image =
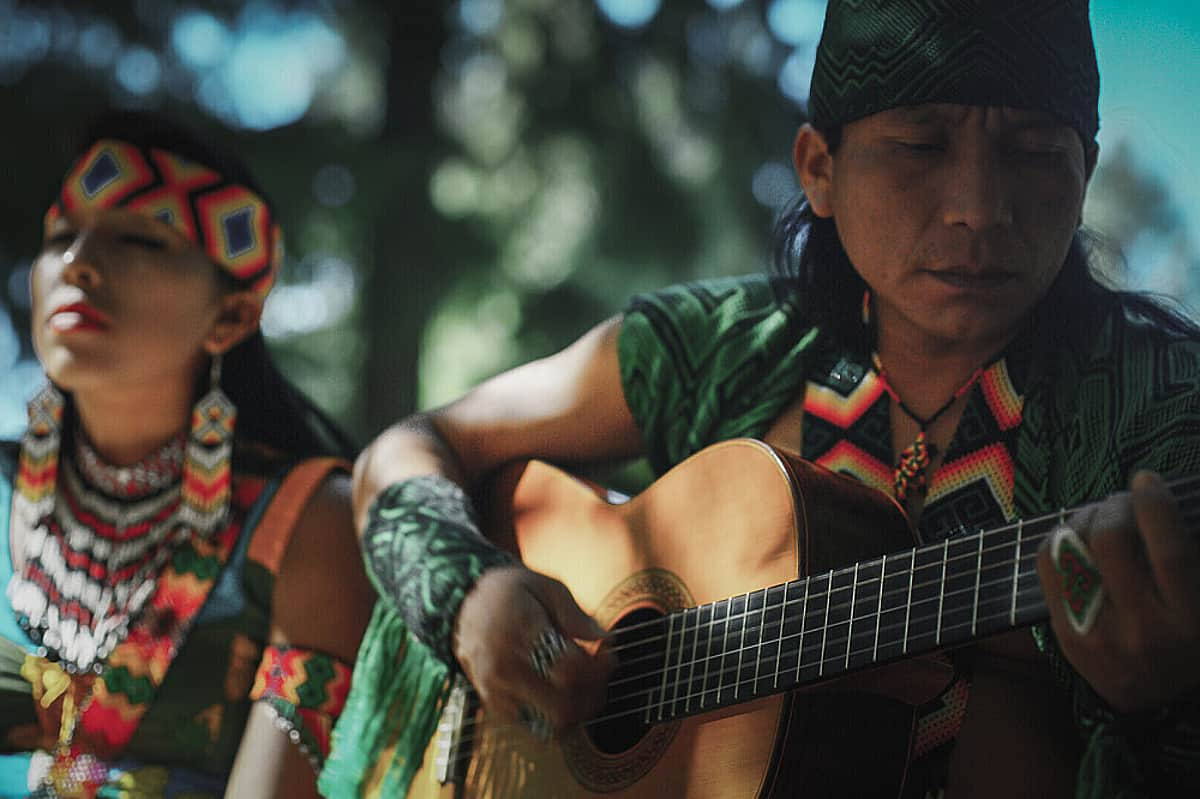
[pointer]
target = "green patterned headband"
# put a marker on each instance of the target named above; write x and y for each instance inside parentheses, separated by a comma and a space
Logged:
(881, 54)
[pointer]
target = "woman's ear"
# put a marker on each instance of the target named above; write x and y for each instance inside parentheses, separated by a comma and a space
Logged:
(814, 168)
(238, 318)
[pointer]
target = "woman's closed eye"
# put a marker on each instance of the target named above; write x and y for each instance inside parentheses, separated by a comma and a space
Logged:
(142, 241)
(58, 239)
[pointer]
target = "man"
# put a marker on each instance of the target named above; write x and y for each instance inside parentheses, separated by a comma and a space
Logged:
(938, 337)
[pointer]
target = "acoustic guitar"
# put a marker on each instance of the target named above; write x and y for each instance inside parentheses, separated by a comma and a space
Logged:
(736, 581)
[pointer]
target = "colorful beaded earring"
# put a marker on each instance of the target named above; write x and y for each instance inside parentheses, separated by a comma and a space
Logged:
(37, 474)
(207, 483)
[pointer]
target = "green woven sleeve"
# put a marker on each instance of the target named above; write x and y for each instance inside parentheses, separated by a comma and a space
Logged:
(704, 362)
(1131, 402)
(424, 552)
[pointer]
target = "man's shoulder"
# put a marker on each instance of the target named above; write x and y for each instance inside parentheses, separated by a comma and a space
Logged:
(1134, 337)
(714, 305)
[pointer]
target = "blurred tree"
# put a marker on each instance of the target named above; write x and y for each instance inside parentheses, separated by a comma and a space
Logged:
(464, 185)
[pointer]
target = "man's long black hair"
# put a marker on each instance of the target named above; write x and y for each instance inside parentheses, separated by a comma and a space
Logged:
(270, 410)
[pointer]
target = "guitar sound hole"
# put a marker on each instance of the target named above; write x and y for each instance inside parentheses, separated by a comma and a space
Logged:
(639, 648)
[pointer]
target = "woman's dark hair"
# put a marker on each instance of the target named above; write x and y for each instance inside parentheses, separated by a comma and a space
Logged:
(811, 271)
(271, 411)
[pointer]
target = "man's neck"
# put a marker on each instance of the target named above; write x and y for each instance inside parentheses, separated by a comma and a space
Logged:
(925, 372)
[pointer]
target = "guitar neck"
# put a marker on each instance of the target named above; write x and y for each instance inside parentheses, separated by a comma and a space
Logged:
(874, 612)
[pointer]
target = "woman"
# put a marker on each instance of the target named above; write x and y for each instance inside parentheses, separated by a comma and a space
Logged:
(939, 338)
(180, 609)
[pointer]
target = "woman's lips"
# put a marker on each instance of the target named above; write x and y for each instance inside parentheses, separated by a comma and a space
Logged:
(77, 317)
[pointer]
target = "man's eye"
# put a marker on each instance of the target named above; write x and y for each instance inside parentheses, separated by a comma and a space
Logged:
(145, 242)
(923, 146)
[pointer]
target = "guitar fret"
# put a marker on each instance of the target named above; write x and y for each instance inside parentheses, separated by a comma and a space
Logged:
(850, 626)
(879, 608)
(942, 591)
(708, 629)
(803, 622)
(779, 645)
(691, 681)
(679, 664)
(960, 587)
(723, 650)
(893, 630)
(737, 675)
(666, 667)
(908, 603)
(1012, 614)
(761, 628)
(825, 627)
(926, 595)
(978, 573)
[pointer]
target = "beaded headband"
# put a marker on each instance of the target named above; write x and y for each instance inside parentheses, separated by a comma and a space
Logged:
(226, 220)
(1031, 54)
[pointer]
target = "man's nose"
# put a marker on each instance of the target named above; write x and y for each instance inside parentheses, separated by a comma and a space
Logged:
(977, 193)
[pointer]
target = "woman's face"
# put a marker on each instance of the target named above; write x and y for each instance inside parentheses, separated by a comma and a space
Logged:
(957, 217)
(121, 302)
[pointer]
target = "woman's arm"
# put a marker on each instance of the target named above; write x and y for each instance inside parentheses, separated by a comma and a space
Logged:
(321, 602)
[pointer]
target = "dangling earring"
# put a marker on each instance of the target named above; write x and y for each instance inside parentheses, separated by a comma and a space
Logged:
(207, 484)
(37, 474)
(866, 308)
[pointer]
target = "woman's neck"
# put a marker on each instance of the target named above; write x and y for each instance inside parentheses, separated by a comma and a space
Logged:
(124, 428)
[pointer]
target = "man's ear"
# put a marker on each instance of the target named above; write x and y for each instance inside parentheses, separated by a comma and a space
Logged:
(814, 168)
(238, 318)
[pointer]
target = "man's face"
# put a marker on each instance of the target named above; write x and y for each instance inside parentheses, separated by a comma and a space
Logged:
(958, 217)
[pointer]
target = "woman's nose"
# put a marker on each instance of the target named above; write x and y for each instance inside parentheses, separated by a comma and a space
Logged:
(80, 266)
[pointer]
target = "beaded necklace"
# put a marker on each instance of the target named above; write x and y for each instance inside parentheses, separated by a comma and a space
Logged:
(913, 463)
(93, 561)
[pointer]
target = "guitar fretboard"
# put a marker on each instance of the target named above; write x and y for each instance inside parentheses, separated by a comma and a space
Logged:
(829, 624)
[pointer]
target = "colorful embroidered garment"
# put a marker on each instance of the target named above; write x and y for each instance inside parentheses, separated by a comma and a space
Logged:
(846, 429)
(178, 703)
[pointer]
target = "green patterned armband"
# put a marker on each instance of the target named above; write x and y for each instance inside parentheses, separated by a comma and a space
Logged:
(424, 552)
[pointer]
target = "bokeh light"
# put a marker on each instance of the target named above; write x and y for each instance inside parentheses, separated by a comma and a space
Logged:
(630, 13)
(796, 22)
(139, 71)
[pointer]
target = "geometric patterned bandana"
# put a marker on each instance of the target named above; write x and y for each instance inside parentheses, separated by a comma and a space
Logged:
(1031, 54)
(230, 223)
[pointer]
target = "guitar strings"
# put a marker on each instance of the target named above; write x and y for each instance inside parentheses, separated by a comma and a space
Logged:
(824, 629)
(1036, 604)
(1029, 598)
(720, 657)
(915, 617)
(909, 555)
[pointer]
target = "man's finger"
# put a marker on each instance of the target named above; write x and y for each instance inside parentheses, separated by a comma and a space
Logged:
(1172, 550)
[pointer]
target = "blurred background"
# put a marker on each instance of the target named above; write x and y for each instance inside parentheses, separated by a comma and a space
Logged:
(467, 185)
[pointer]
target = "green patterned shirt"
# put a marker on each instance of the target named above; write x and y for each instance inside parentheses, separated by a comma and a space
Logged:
(720, 359)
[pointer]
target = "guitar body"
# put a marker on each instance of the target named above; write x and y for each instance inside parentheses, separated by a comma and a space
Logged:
(733, 519)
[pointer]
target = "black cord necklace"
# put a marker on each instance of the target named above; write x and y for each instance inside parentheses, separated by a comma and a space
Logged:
(913, 463)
